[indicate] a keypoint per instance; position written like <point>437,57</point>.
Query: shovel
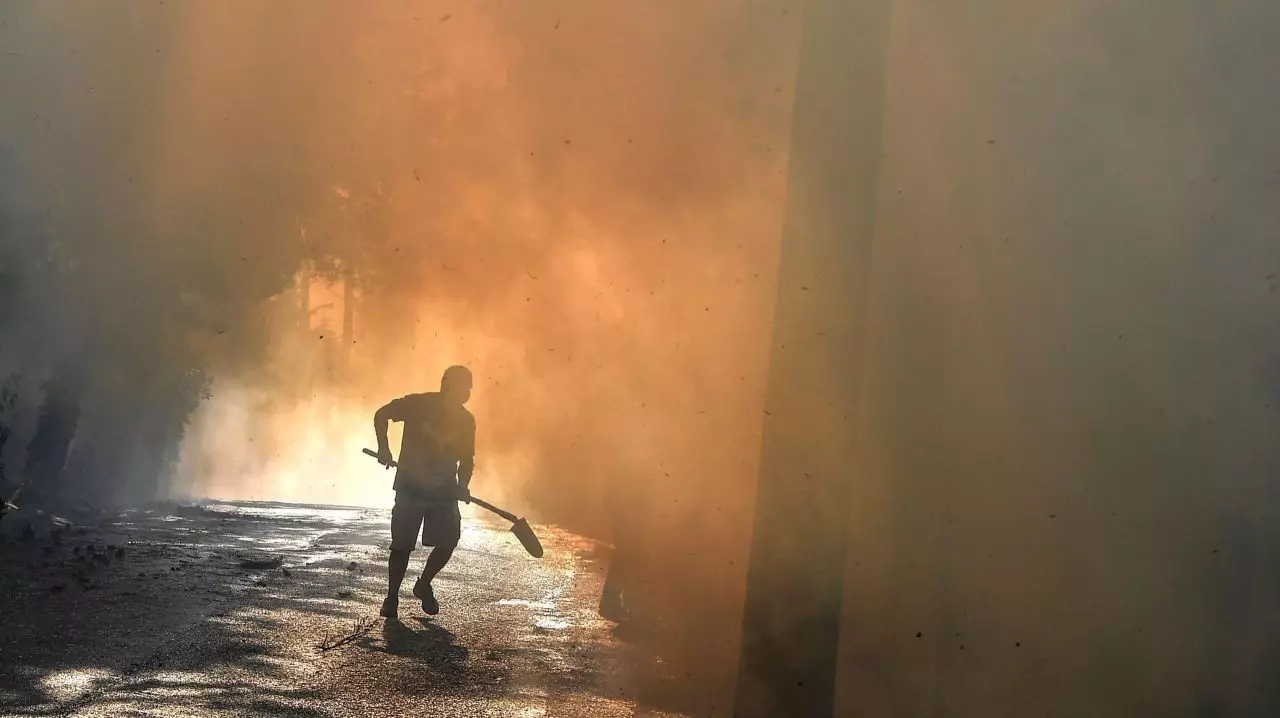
<point>519,526</point>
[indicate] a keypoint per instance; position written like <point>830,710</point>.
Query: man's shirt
<point>438,447</point>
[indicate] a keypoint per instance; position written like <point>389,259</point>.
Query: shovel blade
<point>528,539</point>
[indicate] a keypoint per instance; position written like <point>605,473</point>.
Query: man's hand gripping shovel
<point>519,526</point>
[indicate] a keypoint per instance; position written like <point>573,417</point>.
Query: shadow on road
<point>165,609</point>
<point>181,617</point>
<point>429,642</point>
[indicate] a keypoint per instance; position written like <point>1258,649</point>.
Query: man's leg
<point>441,529</point>
<point>396,568</point>
<point>436,560</point>
<point>405,522</point>
<point>422,590</point>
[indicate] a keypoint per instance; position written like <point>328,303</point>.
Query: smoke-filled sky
<point>580,202</point>
<point>582,206</point>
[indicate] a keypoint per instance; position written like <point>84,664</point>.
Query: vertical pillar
<point>791,625</point>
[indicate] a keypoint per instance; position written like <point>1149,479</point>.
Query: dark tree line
<point>108,342</point>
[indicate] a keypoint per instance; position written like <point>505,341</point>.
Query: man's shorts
<point>438,522</point>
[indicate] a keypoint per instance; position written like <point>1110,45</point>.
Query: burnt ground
<point>225,608</point>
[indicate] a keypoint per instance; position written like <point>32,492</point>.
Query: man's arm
<point>467,462</point>
<point>394,411</point>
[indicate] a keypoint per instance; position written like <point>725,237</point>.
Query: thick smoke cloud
<point>582,202</point>
<point>1068,506</point>
<point>135,242</point>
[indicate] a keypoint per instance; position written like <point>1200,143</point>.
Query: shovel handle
<point>478,502</point>
<point>504,514</point>
<point>374,454</point>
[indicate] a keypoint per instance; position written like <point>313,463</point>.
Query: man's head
<point>455,385</point>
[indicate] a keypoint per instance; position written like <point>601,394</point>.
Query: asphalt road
<point>231,609</point>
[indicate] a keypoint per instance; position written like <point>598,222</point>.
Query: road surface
<point>181,610</point>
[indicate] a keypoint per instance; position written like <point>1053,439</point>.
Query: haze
<point>273,217</point>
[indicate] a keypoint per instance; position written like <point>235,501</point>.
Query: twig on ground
<point>361,628</point>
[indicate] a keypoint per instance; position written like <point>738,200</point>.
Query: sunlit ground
<point>71,684</point>
<point>518,633</point>
<point>310,453</point>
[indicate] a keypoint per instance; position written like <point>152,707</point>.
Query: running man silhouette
<point>437,457</point>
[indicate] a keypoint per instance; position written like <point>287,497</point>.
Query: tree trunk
<point>56,427</point>
<point>151,450</point>
<point>5,433</point>
<point>795,584</point>
<point>8,398</point>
